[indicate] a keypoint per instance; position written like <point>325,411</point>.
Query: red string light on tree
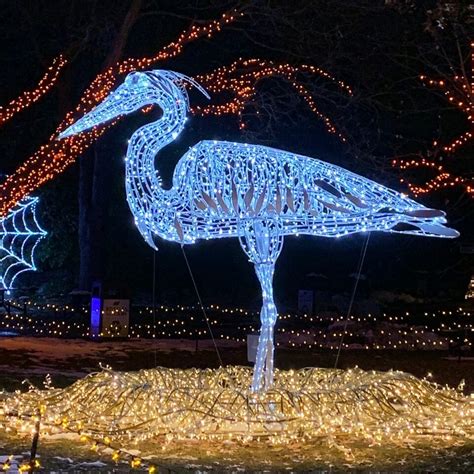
<point>241,79</point>
<point>460,96</point>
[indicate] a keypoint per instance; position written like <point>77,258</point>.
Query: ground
<point>67,360</point>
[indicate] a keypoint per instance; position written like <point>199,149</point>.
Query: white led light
<point>256,193</point>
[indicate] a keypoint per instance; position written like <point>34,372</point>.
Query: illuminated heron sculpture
<point>258,194</point>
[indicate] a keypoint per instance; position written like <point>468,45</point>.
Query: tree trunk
<point>93,207</point>
<point>85,180</point>
<point>94,183</point>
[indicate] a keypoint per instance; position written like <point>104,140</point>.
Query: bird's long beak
<point>430,222</point>
<point>426,229</point>
<point>437,230</point>
<point>107,110</point>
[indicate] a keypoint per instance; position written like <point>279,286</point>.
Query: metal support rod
<point>34,443</point>
<point>154,299</point>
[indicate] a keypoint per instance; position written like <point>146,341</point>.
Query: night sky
<point>378,51</point>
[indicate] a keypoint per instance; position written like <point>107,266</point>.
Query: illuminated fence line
<point>433,330</point>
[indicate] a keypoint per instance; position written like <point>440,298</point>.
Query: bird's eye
<point>133,78</point>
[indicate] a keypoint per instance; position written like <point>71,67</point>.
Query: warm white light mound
<point>218,404</point>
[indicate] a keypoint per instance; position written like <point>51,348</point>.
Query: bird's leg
<point>268,316</point>
<point>261,359</point>
<point>262,242</point>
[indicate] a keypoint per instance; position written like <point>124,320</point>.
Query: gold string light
<point>164,405</point>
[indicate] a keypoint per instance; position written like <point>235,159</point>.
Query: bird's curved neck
<point>149,202</point>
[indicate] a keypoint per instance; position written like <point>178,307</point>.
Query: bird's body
<point>222,183</point>
<point>256,193</point>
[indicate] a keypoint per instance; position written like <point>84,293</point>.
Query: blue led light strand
<point>20,233</point>
<point>256,193</point>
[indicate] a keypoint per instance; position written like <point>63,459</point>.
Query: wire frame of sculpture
<point>256,193</point>
<point>20,233</point>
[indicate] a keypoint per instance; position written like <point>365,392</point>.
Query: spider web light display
<point>20,234</point>
<point>255,193</point>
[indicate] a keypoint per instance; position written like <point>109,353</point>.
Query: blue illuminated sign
<point>96,306</point>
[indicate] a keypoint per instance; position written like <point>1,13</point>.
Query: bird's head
<point>164,88</point>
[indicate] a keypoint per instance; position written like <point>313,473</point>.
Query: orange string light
<point>27,98</point>
<point>460,95</point>
<point>55,156</point>
<point>442,180</point>
<point>242,77</point>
